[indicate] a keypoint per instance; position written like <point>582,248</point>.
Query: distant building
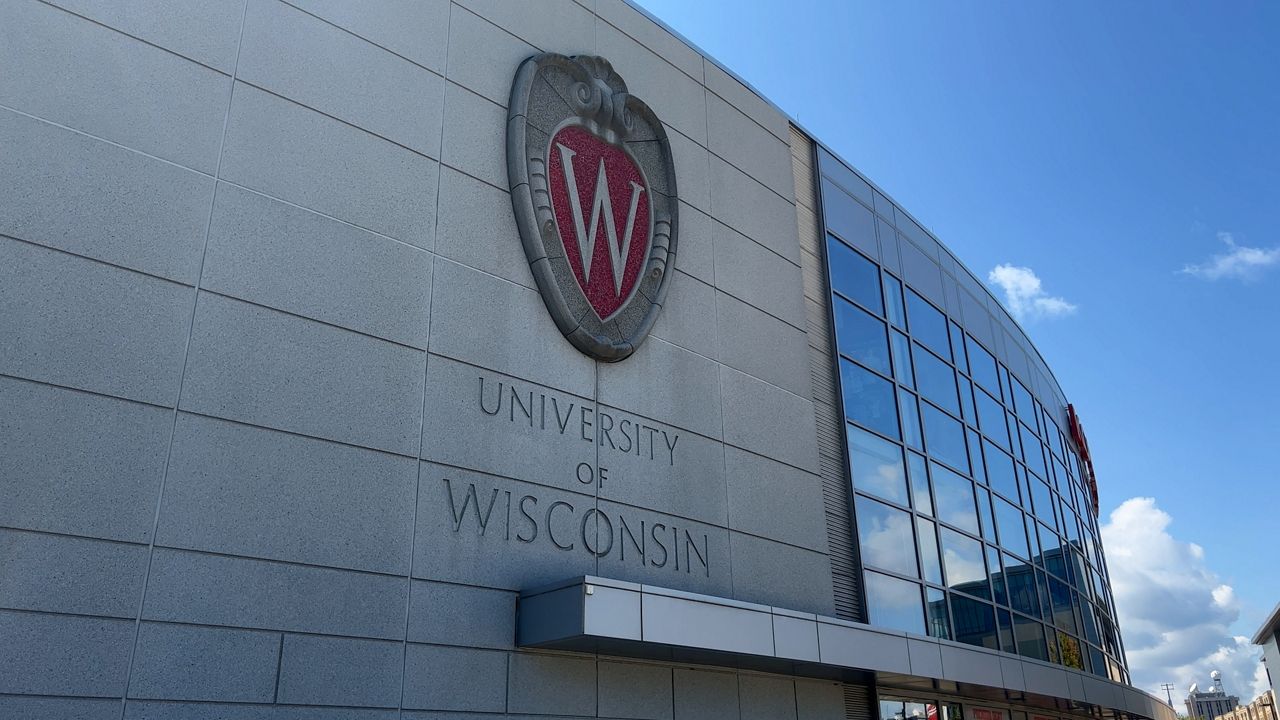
<point>1263,707</point>
<point>1211,703</point>
<point>1268,636</point>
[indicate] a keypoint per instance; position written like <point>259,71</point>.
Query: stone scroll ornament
<point>594,192</point>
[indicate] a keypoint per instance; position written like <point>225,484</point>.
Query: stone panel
<point>184,662</point>
<point>246,491</point>
<point>817,700</point>
<point>644,385</point>
<point>692,163</point>
<point>310,61</point>
<point>481,319</point>
<point>761,345</point>
<point>483,57</point>
<point>768,420</point>
<point>280,255</point>
<point>481,420</point>
<point>663,550</point>
<point>746,100</point>
<point>688,315</point>
<point>261,366</point>
<point>475,137</point>
<point>82,324</point>
<point>774,500</point>
<point>89,197</point>
<point>630,690</point>
<point>484,530</point>
<point>561,26</point>
<point>769,572</point>
<point>478,228</point>
<point>63,654</point>
<point>30,707</point>
<point>766,698</point>
<point>59,573</point>
<point>748,146</point>
<point>628,19</point>
<point>340,671</point>
<point>451,678</point>
<point>219,590</point>
<point>677,99</point>
<point>169,710</point>
<point>414,29</point>
<point>754,210</point>
<point>287,151</point>
<point>80,74</point>
<point>750,272</point>
<point>545,684</point>
<point>206,32</point>
<point>705,695</point>
<point>696,253</point>
<point>447,614</point>
<point>57,444</point>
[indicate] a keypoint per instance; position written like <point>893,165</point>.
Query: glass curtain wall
<point>973,520</point>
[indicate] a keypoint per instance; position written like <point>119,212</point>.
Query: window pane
<point>893,292</point>
<point>894,603</point>
<point>1000,475</point>
<point>1022,403</point>
<point>1029,635</point>
<point>936,380</point>
<point>975,456</point>
<point>1060,600</point>
<point>927,324</point>
<point>929,557</point>
<point>854,275</point>
<point>982,366</point>
<point>1042,499</point>
<point>862,337</point>
<point>1070,648</point>
<point>910,419</point>
<point>984,512</point>
<point>1013,534</point>
<point>998,588</point>
<point>868,399</point>
<point>1032,452</point>
<point>967,412</point>
<point>1006,631</point>
<point>954,495</point>
<point>975,622</point>
<point>936,610</point>
<point>957,348</point>
<point>991,418</point>
<point>902,371</point>
<point>885,537</point>
<point>1020,581</point>
<point>962,559</point>
<point>921,498</point>
<point>892,710</point>
<point>876,466</point>
<point>944,437</point>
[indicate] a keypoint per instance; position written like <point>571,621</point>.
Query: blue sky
<point>1128,156</point>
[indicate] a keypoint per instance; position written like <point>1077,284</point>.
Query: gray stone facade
<point>284,423</point>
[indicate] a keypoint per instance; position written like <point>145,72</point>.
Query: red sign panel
<point>601,204</point>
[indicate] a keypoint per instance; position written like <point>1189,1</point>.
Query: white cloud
<point>1174,611</point>
<point>1024,296</point>
<point>1238,262</point>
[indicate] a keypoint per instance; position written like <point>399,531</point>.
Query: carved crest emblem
<point>594,192</point>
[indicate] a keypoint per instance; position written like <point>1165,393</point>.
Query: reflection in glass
<point>936,380</point>
<point>902,360</point>
<point>885,537</point>
<point>921,498</point>
<point>1060,602</point>
<point>894,603</point>
<point>876,466</point>
<point>928,325</point>
<point>944,437</point>
<point>1022,402</point>
<point>1013,535</point>
<point>861,336</point>
<point>1006,631</point>
<point>991,418</point>
<point>1070,648</point>
<point>910,408</point>
<point>868,399</point>
<point>1029,635</point>
<point>929,558</point>
<point>954,496</point>
<point>1031,450</point>
<point>967,411</point>
<point>893,293</point>
<point>854,276</point>
<point>984,511</point>
<point>939,623</point>
<point>975,456</point>
<point>962,558</point>
<point>1042,502</point>
<point>1020,580</point>
<point>957,348</point>
<point>975,622</point>
<point>997,577</point>
<point>982,366</point>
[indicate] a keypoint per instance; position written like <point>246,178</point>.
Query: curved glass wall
<point>973,518</point>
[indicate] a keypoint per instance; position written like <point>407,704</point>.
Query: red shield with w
<point>601,205</point>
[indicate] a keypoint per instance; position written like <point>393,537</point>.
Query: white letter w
<point>600,203</point>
